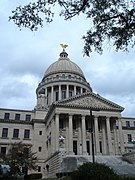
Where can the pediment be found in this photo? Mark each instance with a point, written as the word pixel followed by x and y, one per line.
pixel 90 100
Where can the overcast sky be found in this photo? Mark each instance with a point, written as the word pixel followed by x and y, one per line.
pixel 25 55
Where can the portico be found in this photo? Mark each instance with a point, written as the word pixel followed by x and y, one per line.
pixel 74 126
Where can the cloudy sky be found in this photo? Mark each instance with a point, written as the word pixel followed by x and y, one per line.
pixel 25 55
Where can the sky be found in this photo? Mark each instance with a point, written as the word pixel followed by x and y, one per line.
pixel 25 56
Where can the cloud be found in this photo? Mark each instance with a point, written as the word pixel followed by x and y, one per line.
pixel 25 56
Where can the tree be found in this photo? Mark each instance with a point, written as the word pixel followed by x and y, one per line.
pixel 110 20
pixel 20 156
pixel 94 171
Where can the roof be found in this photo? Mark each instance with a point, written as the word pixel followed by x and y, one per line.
pixel 64 64
pixel 88 100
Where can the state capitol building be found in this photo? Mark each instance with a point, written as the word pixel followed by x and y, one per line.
pixel 66 120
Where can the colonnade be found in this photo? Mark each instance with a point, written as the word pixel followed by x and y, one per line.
pixel 58 92
pixel 105 137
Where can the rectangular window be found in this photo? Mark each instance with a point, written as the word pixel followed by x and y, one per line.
pixel 70 93
pixel 16 133
pixel 3 150
pixel 61 124
pixel 6 116
pixel 87 124
pixel 17 116
pixel 40 132
pixel 39 148
pixel 127 124
pixel 134 123
pixel 27 133
pixel 63 94
pixel 39 168
pixel 75 147
pixel 5 132
pixel 74 124
pixel 28 117
pixel 88 147
pixel 100 146
pixel 129 137
pixel 57 95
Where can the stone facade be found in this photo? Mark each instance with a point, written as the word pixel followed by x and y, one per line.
pixel 67 116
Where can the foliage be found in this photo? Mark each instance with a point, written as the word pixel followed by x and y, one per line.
pixel 19 155
pixel 33 176
pixel 112 20
pixel 94 171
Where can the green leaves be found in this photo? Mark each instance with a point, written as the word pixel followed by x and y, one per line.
pixel 20 155
pixel 112 20
pixel 29 16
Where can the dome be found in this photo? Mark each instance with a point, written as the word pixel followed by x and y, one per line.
pixel 64 64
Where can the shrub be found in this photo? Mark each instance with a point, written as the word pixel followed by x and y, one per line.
pixel 33 176
pixel 94 171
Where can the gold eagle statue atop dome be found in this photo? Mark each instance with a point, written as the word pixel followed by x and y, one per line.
pixel 64 46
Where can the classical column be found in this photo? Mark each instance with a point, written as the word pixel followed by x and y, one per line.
pixel 52 94
pixel 46 95
pixel 53 135
pixel 84 136
pixel 67 92
pixel 115 138
pixel 57 132
pixel 121 137
pixel 104 137
pixel 46 91
pixel 70 135
pixel 109 138
pixel 59 92
pixel 96 135
pixel 74 90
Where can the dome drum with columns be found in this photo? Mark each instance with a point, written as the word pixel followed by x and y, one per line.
pixel 62 79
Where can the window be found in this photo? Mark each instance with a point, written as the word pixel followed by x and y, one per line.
pixel 88 147
pixel 57 95
pixel 61 124
pixel 74 124
pixel 17 116
pixel 127 124
pixel 63 94
pixel 28 117
pixel 27 133
pixel 39 168
pixel 40 132
pixel 16 133
pixel 129 137
pixel 39 148
pixel 3 150
pixel 87 125
pixel 75 147
pixel 5 132
pixel 70 93
pixel 134 123
pixel 6 116
pixel 100 146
